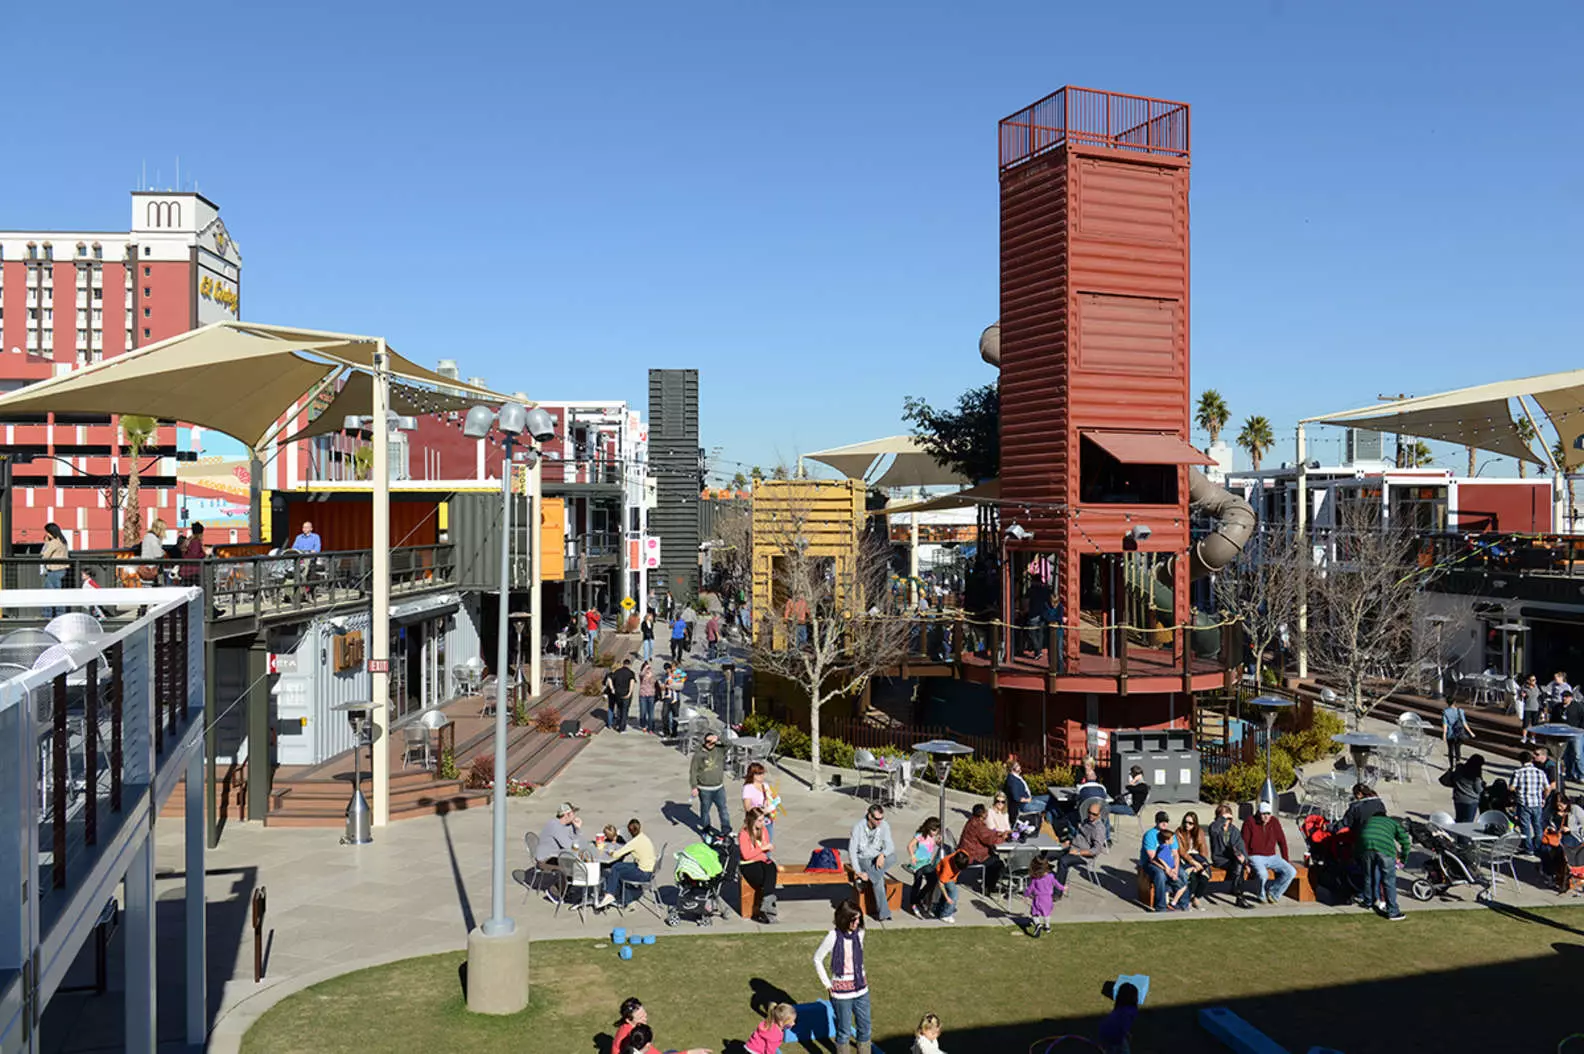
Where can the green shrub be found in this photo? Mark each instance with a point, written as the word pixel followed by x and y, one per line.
pixel 1055 776
pixel 835 752
pixel 759 724
pixel 1313 743
pixel 795 743
pixel 977 776
pixel 886 750
pixel 1242 783
pixel 1330 724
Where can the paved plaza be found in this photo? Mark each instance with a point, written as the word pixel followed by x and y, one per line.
pixel 423 883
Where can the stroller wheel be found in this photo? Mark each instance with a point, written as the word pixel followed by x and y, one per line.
pixel 670 921
pixel 1422 889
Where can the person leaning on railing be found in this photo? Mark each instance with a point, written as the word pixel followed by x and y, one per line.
pixel 152 548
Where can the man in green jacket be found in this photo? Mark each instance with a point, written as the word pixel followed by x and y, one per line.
pixel 1382 842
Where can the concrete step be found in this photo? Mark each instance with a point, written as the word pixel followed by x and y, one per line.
pixel 455 801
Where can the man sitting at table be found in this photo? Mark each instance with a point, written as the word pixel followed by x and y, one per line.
pixel 871 848
pixel 634 861
pixel 979 842
pixel 560 835
pixel 1088 838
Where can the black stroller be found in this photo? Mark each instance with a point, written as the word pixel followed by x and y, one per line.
pixel 701 869
pixel 1450 864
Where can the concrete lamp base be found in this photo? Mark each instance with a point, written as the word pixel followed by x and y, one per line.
pixel 497 972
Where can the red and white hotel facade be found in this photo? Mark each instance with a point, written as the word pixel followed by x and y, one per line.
pixel 71 298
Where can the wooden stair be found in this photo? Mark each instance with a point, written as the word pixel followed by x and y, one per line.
pixel 232 795
pixel 1495 733
pixel 323 802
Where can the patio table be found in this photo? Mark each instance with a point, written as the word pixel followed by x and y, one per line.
pixel 1469 831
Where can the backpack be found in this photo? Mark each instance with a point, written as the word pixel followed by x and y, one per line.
pixel 1457 723
pixel 824 860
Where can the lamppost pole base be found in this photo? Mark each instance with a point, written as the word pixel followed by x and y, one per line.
pixel 497 972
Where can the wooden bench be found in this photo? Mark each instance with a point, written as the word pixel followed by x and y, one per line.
pixel 1300 889
pixel 794 875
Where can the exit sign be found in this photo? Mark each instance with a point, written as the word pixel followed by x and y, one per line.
pixel 379 666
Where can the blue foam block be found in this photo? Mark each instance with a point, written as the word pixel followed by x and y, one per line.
pixel 1235 1033
pixel 814 1021
pixel 625 951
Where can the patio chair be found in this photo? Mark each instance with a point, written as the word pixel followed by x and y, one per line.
pixel 532 873
pixel 771 754
pixel 1015 875
pixel 1091 868
pixel 646 885
pixel 415 740
pixel 1499 854
pixel 568 869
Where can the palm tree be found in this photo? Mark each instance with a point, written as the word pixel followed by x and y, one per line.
pixel 1527 434
pixel 1256 438
pixel 137 431
pixel 1471 452
pixel 1212 414
pixel 1417 454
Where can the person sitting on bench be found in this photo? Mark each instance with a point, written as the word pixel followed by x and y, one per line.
pixel 871 849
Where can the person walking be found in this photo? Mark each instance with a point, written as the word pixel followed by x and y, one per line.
pixel 647 629
pixel 846 981
pixel 1531 706
pixel 707 775
pixel 1467 782
pixel 678 639
pixel 712 637
pixel 670 703
pixel 646 697
pixel 1385 846
pixel 54 554
pixel 1529 784
pixel 621 687
pixel 871 850
pixel 1455 732
pixel 1267 850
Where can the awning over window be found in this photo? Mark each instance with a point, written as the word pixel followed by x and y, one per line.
pixel 1148 448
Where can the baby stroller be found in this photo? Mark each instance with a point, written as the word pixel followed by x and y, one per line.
pixel 1331 861
pixel 1450 864
pixel 701 870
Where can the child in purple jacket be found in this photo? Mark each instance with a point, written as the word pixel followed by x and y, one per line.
pixel 1041 893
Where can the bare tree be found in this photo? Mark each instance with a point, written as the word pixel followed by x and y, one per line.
pixel 830 626
pixel 1261 591
pixel 731 555
pixel 1367 598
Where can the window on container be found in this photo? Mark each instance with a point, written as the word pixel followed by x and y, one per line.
pixel 98 294
pixel 147 312
pixel 145 333
pixel 146 292
pixel 147 271
pixel 1103 480
pixel 147 251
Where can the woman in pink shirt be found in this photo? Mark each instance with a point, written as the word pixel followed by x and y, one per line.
pixel 757 794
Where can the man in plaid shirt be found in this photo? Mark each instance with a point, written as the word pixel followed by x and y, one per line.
pixel 1529 784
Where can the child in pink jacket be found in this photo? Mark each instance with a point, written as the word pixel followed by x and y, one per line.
pixel 1041 894
pixel 770 1034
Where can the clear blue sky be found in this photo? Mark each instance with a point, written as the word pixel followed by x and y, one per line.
pixel 800 199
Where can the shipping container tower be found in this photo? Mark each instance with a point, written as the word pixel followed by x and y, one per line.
pixel 1095 463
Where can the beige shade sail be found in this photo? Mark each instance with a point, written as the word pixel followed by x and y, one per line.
pixel 234 377
pixel 987 493
pixel 911 465
pixel 355 398
pixel 1480 416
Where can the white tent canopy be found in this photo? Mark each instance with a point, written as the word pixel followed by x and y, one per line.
pixel 235 377
pixel 1480 416
pixel 911 465
pixel 987 493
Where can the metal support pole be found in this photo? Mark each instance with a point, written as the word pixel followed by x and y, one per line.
pixel 197 939
pixel 499 925
pixel 1303 553
pixel 258 732
pixel 535 551
pixel 913 561
pixel 255 499
pixel 139 971
pixel 211 745
pixel 379 632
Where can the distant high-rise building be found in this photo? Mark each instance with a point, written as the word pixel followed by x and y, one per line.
pixel 675 463
pixel 73 298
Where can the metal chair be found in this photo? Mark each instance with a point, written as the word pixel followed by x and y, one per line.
pixel 568 867
pixel 1015 875
pixel 532 873
pixel 1499 854
pixel 415 740
pixel 771 752
pixel 646 885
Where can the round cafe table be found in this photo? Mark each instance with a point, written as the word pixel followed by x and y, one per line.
pixel 1360 745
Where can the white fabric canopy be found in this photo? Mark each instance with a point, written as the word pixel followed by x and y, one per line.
pixel 356 395
pixel 1480 416
pixel 235 377
pixel 911 465
pixel 987 493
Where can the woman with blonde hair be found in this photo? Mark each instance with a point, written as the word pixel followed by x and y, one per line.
pixel 152 548
pixel 997 818
pixel 758 794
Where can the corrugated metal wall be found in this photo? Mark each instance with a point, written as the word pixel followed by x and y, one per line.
pixel 674 463
pixel 349 524
pixel 1094 335
pixel 313 689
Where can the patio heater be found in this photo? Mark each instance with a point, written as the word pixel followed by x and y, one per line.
pixel 357 813
pixel 1270 707
pixel 1511 633
pixel 1559 736
pixel 1439 622
pixel 496 945
pixel 942 752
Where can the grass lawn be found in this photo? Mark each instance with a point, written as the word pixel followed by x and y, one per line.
pixel 1441 980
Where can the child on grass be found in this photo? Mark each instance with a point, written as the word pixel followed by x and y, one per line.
pixel 927 1039
pixel 771 1033
pixel 1041 894
pixel 1117 1026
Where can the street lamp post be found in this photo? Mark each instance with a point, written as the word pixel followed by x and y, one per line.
pixel 497 952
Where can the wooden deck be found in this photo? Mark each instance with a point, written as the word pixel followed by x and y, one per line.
pixel 1148 670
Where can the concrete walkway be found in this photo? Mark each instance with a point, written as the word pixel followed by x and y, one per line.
pixel 425 882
